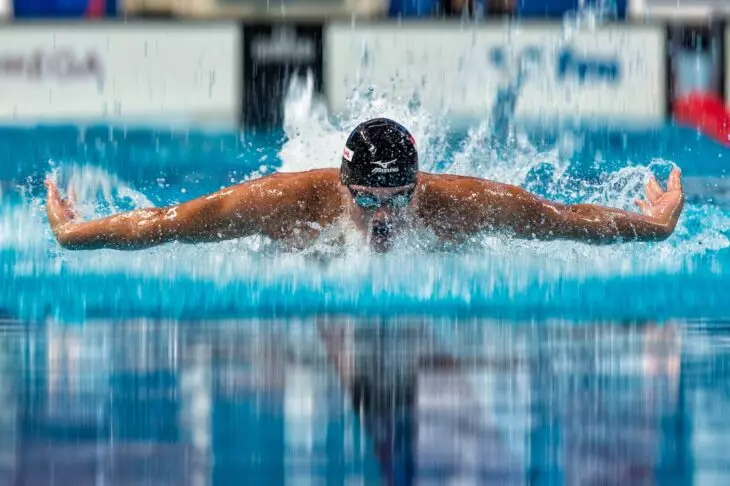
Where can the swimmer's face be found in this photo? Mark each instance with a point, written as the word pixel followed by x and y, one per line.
pixel 381 212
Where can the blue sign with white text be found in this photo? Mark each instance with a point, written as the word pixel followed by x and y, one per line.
pixel 568 64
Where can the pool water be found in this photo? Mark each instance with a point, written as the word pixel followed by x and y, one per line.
pixel 116 169
pixel 505 362
pixel 337 400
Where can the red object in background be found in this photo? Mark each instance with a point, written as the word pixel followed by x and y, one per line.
pixel 705 112
pixel 95 9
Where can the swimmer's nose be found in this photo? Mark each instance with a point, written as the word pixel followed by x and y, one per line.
pixel 382 214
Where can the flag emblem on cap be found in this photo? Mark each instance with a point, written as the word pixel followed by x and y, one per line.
pixel 347 154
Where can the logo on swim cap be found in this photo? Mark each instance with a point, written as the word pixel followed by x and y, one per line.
pixel 347 154
pixel 383 167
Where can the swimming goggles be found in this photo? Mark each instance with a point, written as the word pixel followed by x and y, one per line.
pixel 367 200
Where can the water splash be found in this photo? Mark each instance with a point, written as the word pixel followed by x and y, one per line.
pixel 98 192
pixel 547 173
pixel 314 140
pixel 589 16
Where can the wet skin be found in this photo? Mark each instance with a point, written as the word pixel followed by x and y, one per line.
pixel 296 207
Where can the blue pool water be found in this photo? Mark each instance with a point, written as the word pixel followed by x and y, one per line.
pixel 506 362
pixel 116 169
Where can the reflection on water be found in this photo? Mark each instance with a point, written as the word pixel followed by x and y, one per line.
pixel 340 401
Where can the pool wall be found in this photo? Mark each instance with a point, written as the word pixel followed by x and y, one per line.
pixel 238 73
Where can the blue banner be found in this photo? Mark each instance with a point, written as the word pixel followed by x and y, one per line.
pixel 65 8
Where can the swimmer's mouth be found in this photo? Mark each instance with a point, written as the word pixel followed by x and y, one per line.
pixel 381 236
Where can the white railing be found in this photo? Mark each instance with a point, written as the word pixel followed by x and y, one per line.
pixel 678 9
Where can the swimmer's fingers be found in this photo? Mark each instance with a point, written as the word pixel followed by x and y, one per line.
pixel 52 194
pixel 645 206
pixel 71 204
pixel 56 203
pixel 653 191
pixel 50 185
pixel 675 180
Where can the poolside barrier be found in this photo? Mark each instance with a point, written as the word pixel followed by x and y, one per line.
pixel 128 71
pixel 621 74
pixel 614 75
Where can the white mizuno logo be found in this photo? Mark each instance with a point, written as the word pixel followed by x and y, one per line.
pixel 383 167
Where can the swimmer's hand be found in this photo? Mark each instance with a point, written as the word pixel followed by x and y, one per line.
pixel 61 212
pixel 663 206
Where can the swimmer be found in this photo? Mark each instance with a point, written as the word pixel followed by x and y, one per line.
pixel 379 190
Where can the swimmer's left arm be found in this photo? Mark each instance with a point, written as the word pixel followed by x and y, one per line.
pixel 268 205
pixel 198 220
pixel 484 204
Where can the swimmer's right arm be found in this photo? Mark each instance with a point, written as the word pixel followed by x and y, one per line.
pixel 477 204
pixel 235 212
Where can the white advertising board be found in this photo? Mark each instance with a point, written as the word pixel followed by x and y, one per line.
pixel 616 73
pixel 120 71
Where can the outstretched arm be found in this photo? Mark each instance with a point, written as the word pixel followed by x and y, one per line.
pixel 237 211
pixel 479 204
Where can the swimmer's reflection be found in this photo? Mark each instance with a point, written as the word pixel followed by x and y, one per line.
pixel 440 402
pixel 487 415
pixel 419 406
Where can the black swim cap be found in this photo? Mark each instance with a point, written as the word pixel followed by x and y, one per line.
pixel 379 153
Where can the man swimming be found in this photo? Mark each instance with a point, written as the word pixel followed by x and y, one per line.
pixel 380 191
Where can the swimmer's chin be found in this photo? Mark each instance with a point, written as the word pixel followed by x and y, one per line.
pixel 381 245
pixel 383 242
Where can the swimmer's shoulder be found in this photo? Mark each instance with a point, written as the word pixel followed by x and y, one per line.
pixel 318 178
pixel 442 185
pixel 450 184
pixel 318 188
pixel 327 177
pixel 321 185
pixel 449 192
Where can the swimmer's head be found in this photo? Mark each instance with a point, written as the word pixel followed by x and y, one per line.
pixel 380 169
pixel 379 153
